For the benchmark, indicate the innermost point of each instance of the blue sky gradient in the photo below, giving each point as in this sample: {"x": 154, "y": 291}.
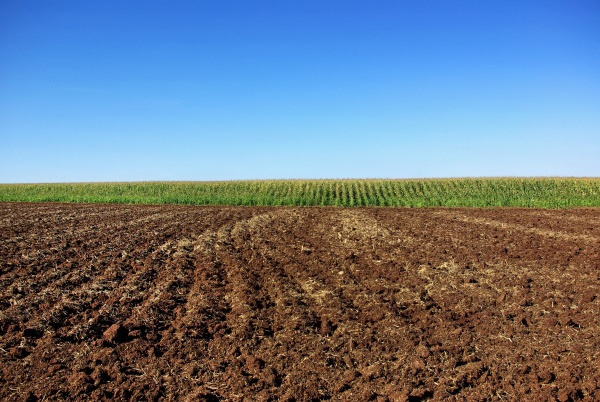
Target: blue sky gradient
{"x": 219, "y": 90}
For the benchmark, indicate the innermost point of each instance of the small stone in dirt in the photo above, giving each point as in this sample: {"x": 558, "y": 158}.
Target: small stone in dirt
{"x": 115, "y": 333}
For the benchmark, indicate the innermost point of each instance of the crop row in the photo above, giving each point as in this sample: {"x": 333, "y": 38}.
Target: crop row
{"x": 484, "y": 192}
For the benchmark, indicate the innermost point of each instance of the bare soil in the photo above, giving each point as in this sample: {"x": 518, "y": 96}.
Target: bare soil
{"x": 113, "y": 302}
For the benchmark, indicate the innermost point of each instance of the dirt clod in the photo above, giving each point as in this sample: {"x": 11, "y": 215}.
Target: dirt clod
{"x": 115, "y": 333}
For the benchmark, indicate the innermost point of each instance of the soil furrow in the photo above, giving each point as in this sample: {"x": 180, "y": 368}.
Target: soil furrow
{"x": 504, "y": 225}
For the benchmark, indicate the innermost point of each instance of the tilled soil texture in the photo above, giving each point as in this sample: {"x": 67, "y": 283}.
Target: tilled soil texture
{"x": 113, "y": 302}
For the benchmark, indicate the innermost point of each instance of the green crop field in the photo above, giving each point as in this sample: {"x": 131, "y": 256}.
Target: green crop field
{"x": 504, "y": 192}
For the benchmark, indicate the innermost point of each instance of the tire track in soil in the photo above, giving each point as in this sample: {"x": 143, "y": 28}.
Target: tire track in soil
{"x": 68, "y": 220}
{"x": 507, "y": 224}
{"x": 567, "y": 218}
{"x": 301, "y": 304}
{"x": 37, "y": 213}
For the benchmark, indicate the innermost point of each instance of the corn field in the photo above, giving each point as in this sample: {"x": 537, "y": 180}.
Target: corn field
{"x": 484, "y": 192}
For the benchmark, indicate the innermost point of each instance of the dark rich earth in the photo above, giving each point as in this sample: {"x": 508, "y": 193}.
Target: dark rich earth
{"x": 109, "y": 302}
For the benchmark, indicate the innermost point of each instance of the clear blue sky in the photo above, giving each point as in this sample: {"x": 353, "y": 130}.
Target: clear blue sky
{"x": 218, "y": 89}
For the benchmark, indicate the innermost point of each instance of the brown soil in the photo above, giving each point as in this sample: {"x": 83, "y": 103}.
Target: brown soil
{"x": 109, "y": 302}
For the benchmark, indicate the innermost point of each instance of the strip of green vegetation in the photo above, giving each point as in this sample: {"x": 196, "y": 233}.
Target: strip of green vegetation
{"x": 501, "y": 192}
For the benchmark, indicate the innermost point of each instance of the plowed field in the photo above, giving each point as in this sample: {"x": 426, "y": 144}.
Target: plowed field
{"x": 116, "y": 302}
